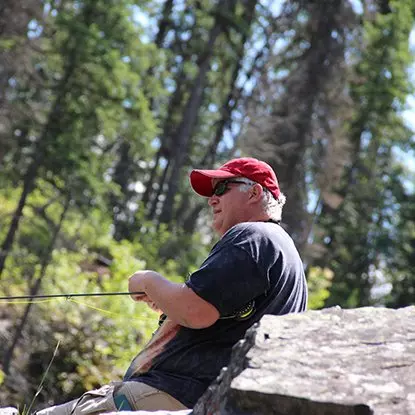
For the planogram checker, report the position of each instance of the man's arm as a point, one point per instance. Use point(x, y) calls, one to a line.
point(179, 302)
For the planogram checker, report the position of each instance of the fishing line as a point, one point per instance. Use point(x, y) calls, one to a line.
point(47, 298)
point(110, 313)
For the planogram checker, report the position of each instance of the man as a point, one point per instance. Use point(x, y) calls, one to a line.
point(253, 270)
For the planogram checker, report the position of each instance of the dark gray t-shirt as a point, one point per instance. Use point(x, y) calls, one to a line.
point(253, 261)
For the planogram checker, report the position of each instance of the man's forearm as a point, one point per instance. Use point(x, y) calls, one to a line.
point(168, 297)
point(177, 301)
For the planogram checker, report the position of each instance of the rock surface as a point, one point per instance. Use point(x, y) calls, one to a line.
point(329, 362)
point(14, 411)
point(8, 411)
point(182, 412)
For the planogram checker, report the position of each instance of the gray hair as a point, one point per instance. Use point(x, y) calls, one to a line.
point(272, 207)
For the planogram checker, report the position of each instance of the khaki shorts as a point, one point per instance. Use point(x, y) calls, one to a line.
point(139, 395)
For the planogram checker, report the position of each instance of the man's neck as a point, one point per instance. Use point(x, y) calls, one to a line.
point(260, 217)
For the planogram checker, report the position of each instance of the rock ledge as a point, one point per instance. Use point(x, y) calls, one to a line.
point(328, 362)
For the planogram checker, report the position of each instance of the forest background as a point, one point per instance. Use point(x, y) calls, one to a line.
point(105, 107)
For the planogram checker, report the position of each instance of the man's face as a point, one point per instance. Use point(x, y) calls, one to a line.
point(230, 207)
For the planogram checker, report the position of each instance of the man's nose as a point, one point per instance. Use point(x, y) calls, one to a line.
point(213, 200)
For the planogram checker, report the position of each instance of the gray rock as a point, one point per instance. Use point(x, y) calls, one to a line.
point(182, 412)
point(329, 362)
point(9, 411)
point(215, 399)
point(14, 411)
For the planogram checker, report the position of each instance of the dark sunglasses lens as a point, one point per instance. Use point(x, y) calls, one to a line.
point(220, 189)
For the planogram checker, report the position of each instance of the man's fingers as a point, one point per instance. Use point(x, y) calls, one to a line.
point(144, 298)
point(139, 297)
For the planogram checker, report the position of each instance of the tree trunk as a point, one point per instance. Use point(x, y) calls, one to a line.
point(165, 149)
point(28, 184)
point(156, 197)
point(186, 214)
point(122, 175)
point(183, 136)
point(189, 225)
point(8, 357)
point(289, 133)
point(234, 92)
point(166, 145)
point(164, 23)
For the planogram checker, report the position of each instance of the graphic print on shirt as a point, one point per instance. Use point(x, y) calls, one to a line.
point(144, 360)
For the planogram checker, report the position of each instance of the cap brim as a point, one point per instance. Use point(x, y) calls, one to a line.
point(201, 180)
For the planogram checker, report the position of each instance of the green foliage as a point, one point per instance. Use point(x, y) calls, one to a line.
point(401, 248)
point(319, 283)
point(7, 44)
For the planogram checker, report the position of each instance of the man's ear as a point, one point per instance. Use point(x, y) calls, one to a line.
point(256, 193)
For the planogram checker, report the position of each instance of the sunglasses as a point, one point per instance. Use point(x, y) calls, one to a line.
point(222, 187)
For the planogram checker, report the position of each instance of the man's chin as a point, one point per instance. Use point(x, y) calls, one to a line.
point(217, 228)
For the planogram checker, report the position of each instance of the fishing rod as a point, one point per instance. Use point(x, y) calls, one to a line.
point(67, 296)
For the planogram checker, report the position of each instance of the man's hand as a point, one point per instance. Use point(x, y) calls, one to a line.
point(177, 301)
point(146, 299)
point(137, 283)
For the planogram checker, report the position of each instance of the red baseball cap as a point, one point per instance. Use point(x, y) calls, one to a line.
point(253, 169)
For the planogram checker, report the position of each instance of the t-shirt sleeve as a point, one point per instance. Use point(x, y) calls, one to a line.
point(228, 279)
